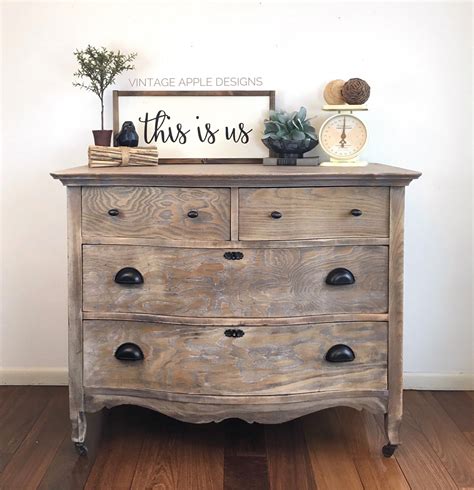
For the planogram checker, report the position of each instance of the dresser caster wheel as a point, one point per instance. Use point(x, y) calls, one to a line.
point(81, 448)
point(388, 450)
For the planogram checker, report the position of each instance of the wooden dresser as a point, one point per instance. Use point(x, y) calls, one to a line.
point(215, 291)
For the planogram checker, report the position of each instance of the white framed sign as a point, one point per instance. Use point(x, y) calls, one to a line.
point(198, 126)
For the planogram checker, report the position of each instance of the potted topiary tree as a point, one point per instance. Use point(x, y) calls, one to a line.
point(289, 134)
point(99, 67)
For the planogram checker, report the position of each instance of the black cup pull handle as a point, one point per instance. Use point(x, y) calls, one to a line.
point(233, 255)
point(234, 333)
point(356, 212)
point(340, 277)
point(340, 353)
point(129, 352)
point(113, 212)
point(276, 214)
point(193, 214)
point(128, 275)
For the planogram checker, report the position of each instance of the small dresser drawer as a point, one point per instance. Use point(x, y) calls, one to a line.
point(156, 212)
point(279, 282)
point(234, 361)
point(321, 212)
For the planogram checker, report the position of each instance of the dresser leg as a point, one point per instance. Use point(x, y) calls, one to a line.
point(392, 428)
point(79, 428)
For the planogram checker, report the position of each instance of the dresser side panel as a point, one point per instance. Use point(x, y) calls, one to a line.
point(395, 338)
point(75, 345)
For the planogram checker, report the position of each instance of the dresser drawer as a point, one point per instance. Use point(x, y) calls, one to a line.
point(253, 282)
point(156, 212)
point(264, 361)
point(304, 213)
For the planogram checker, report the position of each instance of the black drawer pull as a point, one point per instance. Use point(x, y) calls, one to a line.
point(340, 277)
point(356, 212)
point(129, 352)
point(235, 333)
point(193, 214)
point(113, 212)
point(233, 255)
point(276, 214)
point(128, 275)
point(340, 353)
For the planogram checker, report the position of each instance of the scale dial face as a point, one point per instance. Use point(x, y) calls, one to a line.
point(343, 136)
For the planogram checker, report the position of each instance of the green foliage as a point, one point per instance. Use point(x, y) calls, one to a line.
point(98, 68)
point(289, 126)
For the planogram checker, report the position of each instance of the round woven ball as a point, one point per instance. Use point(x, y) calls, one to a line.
point(356, 91)
point(332, 92)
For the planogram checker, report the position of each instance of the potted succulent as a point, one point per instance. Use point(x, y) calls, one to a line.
point(98, 68)
point(289, 134)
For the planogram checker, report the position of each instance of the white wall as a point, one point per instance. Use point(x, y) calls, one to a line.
point(416, 56)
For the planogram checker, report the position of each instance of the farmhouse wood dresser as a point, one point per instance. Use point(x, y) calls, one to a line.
point(215, 291)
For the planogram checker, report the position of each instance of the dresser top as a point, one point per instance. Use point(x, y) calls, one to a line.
point(237, 175)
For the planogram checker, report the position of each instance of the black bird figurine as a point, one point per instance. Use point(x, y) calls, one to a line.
point(127, 136)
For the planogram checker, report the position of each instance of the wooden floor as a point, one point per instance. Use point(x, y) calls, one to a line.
point(131, 447)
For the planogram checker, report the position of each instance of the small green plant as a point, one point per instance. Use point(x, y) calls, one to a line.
point(287, 126)
point(100, 67)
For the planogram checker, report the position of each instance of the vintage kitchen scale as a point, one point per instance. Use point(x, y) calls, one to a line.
point(343, 136)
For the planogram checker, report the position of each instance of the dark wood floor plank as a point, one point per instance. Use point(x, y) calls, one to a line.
point(30, 462)
point(333, 466)
point(420, 464)
point(68, 470)
point(336, 448)
point(118, 454)
point(289, 465)
point(460, 407)
point(20, 409)
point(243, 439)
point(245, 472)
point(180, 456)
point(364, 439)
point(446, 439)
point(6, 394)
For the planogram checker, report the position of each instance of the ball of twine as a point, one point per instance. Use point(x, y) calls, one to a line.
point(356, 91)
point(332, 92)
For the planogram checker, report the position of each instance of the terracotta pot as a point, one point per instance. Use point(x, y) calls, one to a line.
point(102, 137)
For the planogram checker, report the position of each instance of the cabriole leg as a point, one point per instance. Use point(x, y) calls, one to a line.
point(79, 429)
point(392, 428)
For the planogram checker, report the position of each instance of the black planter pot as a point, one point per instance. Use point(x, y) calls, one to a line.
point(289, 148)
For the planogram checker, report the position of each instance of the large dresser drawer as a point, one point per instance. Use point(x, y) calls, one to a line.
point(156, 212)
point(321, 212)
point(279, 282)
point(264, 361)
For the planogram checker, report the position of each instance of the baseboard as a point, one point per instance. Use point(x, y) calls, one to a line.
point(33, 376)
point(411, 381)
point(438, 381)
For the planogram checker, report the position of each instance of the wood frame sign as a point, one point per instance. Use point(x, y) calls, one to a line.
point(198, 126)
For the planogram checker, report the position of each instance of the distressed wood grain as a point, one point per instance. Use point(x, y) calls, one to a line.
point(266, 360)
point(393, 417)
point(265, 283)
point(313, 213)
point(272, 411)
point(374, 174)
point(75, 292)
point(155, 212)
point(236, 321)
